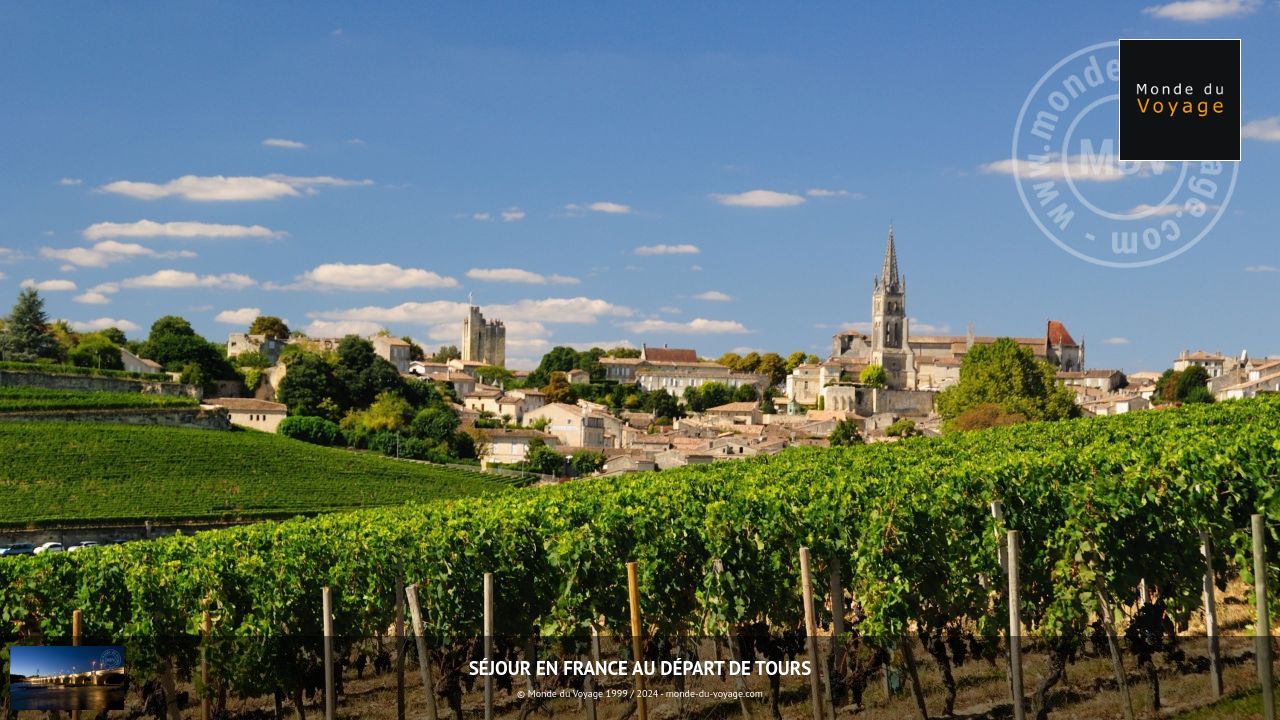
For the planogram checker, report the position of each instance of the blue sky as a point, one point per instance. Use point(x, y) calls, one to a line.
point(57, 659)
point(354, 166)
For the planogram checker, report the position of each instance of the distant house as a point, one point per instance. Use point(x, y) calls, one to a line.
point(572, 425)
point(1107, 380)
point(393, 350)
point(257, 414)
point(736, 413)
point(510, 447)
point(133, 363)
point(269, 347)
point(1213, 363)
point(674, 370)
point(578, 377)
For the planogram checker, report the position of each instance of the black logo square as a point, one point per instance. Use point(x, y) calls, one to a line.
point(1179, 100)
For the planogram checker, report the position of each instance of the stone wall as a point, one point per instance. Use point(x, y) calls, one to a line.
point(902, 402)
point(89, 383)
point(204, 417)
point(103, 533)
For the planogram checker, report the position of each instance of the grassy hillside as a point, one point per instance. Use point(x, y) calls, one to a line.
point(23, 399)
point(55, 473)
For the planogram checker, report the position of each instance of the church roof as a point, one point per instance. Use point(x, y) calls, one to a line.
point(889, 278)
point(665, 354)
point(1058, 334)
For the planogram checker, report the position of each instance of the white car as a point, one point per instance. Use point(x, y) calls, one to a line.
point(83, 545)
point(52, 547)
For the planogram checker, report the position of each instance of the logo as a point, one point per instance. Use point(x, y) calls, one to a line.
point(1066, 166)
point(110, 659)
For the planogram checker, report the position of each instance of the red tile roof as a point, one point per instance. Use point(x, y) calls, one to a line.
point(669, 354)
point(1058, 334)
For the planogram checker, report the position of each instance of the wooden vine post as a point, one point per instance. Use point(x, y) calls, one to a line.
point(424, 665)
point(206, 629)
point(77, 630)
point(811, 630)
point(488, 645)
point(739, 683)
point(1211, 616)
point(330, 699)
point(1263, 630)
point(1015, 627)
point(400, 650)
point(637, 641)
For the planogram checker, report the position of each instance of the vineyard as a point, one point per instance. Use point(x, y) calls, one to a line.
point(1102, 506)
point(74, 473)
point(26, 399)
point(76, 370)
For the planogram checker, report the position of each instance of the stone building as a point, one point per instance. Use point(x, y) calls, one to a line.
point(257, 414)
point(483, 340)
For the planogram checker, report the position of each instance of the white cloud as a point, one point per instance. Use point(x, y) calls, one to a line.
point(697, 326)
point(354, 141)
point(179, 279)
point(825, 193)
point(9, 255)
point(1267, 129)
point(150, 228)
point(1080, 168)
point(1162, 210)
point(70, 181)
point(758, 199)
point(107, 252)
point(713, 296)
point(103, 323)
point(384, 276)
point(283, 143)
point(49, 285)
point(2, 276)
point(1197, 10)
point(512, 214)
point(341, 328)
point(481, 216)
point(92, 297)
point(1262, 269)
point(516, 275)
point(603, 344)
point(610, 207)
point(668, 309)
point(667, 250)
point(219, 188)
point(575, 310)
point(243, 316)
point(1116, 341)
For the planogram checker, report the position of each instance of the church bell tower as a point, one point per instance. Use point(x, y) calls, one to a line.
point(889, 348)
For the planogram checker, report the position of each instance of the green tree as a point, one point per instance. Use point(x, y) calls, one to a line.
point(364, 374)
point(558, 390)
point(95, 350)
point(902, 427)
point(873, 376)
point(416, 353)
point(709, 395)
point(388, 413)
point(1010, 377)
point(493, 375)
point(311, 388)
point(844, 434)
point(985, 415)
point(745, 393)
point(542, 459)
point(434, 423)
point(175, 345)
point(251, 359)
point(445, 354)
point(27, 335)
point(1192, 386)
point(795, 360)
point(774, 366)
point(560, 359)
point(115, 335)
point(586, 462)
point(663, 405)
point(269, 325)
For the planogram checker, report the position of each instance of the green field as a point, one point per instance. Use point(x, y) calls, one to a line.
point(25, 399)
point(67, 473)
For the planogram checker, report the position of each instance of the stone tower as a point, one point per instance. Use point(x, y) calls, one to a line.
point(889, 347)
point(483, 340)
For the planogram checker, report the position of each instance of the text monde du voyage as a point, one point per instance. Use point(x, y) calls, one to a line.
point(1180, 99)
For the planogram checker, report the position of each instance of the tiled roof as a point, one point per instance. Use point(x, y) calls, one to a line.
point(663, 354)
point(247, 404)
point(1058, 334)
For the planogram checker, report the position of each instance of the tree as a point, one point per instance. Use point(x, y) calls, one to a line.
point(766, 402)
point(745, 393)
point(314, 430)
point(774, 366)
point(902, 427)
point(96, 351)
point(416, 353)
point(873, 376)
point(445, 354)
point(27, 336)
point(986, 415)
point(269, 325)
point(493, 375)
point(558, 390)
point(311, 388)
point(664, 405)
point(363, 373)
point(560, 359)
point(251, 359)
point(586, 462)
point(434, 423)
point(542, 459)
point(175, 345)
point(1010, 377)
point(1193, 385)
point(709, 395)
point(795, 360)
point(844, 434)
point(66, 336)
point(388, 413)
point(115, 335)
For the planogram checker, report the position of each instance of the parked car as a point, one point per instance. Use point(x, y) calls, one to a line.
point(49, 547)
point(82, 545)
point(18, 549)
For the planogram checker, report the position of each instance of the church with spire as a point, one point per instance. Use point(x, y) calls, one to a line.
point(911, 362)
